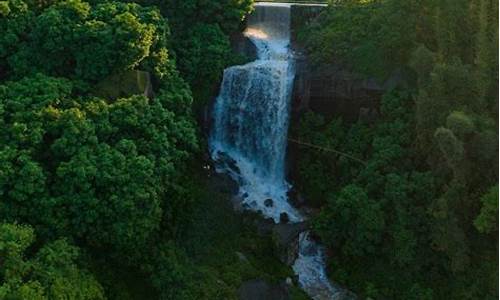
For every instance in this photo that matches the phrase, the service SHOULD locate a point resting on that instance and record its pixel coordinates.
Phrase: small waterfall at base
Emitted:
(249, 136)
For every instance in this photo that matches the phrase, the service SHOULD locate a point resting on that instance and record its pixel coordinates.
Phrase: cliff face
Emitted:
(242, 45)
(330, 91)
(335, 92)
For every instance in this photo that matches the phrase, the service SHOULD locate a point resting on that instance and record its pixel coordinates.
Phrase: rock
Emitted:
(264, 226)
(245, 206)
(259, 289)
(344, 294)
(295, 198)
(310, 250)
(243, 45)
(289, 281)
(253, 290)
(268, 202)
(333, 91)
(227, 162)
(223, 183)
(241, 256)
(284, 219)
(125, 84)
(286, 238)
(368, 115)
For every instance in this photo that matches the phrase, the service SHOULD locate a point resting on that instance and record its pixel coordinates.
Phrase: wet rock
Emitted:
(240, 206)
(286, 238)
(295, 198)
(310, 250)
(284, 219)
(225, 161)
(243, 45)
(268, 202)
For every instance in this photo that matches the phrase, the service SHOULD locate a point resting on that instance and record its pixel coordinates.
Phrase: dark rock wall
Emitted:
(334, 92)
(329, 89)
(242, 45)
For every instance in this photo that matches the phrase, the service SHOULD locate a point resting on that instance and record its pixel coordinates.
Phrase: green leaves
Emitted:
(203, 55)
(51, 274)
(4, 8)
(77, 40)
(487, 220)
(87, 168)
(371, 37)
(200, 40)
(352, 222)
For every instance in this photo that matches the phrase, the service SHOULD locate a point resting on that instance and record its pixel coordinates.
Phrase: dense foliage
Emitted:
(419, 218)
(51, 273)
(98, 171)
(103, 194)
(200, 39)
(100, 153)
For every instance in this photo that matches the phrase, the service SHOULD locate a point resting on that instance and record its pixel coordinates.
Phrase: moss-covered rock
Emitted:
(125, 84)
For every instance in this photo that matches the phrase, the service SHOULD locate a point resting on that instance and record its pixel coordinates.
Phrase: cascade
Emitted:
(249, 135)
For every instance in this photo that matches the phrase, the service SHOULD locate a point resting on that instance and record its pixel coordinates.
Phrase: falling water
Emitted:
(251, 115)
(249, 136)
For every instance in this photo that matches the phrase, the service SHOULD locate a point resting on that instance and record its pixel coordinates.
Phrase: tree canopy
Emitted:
(429, 178)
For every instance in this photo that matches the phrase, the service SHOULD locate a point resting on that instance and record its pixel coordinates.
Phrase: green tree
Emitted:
(100, 171)
(352, 206)
(52, 273)
(487, 220)
(77, 40)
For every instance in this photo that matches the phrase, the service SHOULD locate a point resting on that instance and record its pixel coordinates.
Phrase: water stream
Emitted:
(249, 137)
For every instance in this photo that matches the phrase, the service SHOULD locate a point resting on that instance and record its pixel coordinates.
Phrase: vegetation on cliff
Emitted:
(420, 219)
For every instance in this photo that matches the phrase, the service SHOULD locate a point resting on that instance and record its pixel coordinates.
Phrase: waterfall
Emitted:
(249, 136)
(251, 115)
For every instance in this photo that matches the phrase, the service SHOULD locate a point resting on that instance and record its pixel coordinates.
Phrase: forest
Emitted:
(419, 219)
(104, 190)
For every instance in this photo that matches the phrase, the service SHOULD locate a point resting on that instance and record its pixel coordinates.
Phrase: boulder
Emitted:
(284, 219)
(286, 239)
(285, 236)
(268, 202)
(259, 289)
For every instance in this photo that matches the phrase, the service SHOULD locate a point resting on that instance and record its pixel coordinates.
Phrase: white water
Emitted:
(251, 115)
(249, 136)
